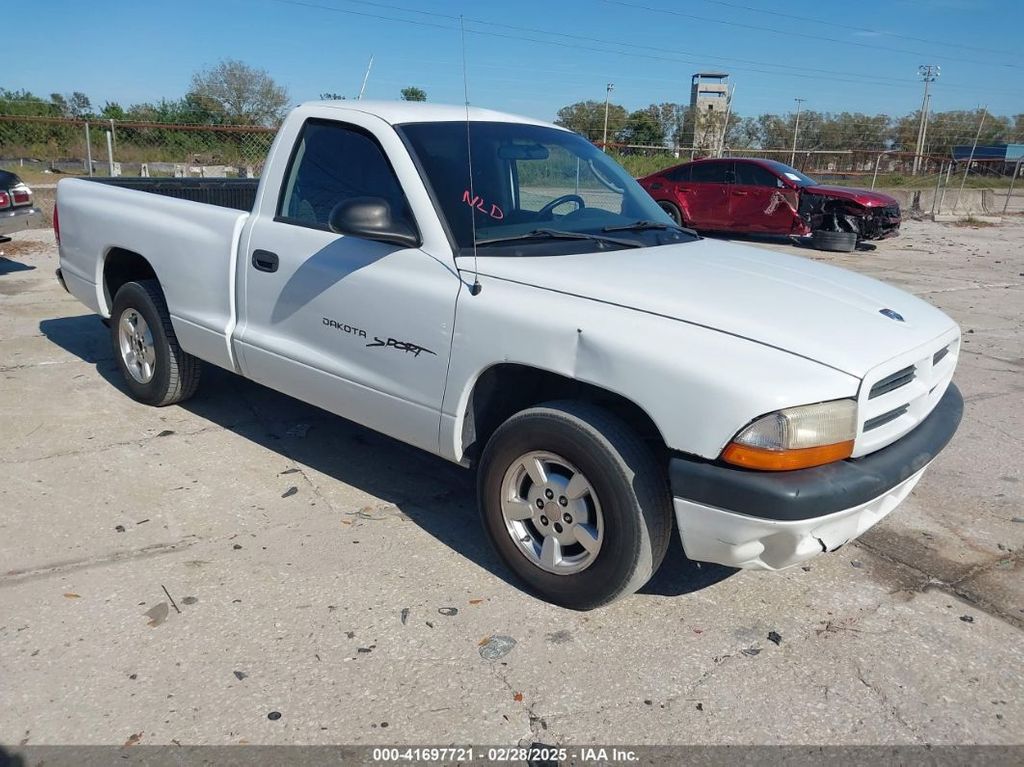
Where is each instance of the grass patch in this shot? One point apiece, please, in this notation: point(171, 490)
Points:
point(36, 176)
point(973, 223)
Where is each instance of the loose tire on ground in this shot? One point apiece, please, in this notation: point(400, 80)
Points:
point(625, 480)
point(155, 368)
point(834, 242)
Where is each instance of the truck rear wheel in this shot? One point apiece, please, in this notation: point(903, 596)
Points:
point(155, 368)
point(574, 503)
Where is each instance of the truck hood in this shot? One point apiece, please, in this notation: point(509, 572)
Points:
point(810, 309)
point(865, 197)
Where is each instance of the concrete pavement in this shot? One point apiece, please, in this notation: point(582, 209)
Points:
point(318, 570)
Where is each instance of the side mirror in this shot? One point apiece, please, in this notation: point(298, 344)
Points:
point(371, 219)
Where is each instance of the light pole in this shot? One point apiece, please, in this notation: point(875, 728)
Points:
point(929, 73)
point(796, 130)
point(607, 95)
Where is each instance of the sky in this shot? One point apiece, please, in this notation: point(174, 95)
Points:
point(534, 56)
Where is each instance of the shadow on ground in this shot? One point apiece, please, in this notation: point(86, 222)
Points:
point(7, 266)
point(435, 494)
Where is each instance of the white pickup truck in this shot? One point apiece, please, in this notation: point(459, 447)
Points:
point(497, 291)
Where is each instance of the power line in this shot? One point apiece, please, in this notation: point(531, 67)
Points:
point(831, 23)
point(790, 33)
point(685, 59)
point(857, 79)
point(697, 58)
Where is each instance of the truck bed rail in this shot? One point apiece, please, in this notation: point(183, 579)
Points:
point(236, 193)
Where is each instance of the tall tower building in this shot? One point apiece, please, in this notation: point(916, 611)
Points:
point(709, 108)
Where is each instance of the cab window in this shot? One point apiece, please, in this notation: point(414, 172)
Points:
point(333, 163)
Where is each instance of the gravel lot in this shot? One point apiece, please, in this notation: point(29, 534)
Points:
point(339, 578)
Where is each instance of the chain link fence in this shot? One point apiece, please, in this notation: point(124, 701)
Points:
point(941, 183)
point(111, 147)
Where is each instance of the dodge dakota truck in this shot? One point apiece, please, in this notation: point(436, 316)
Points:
point(496, 291)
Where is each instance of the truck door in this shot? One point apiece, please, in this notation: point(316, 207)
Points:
point(760, 201)
point(358, 327)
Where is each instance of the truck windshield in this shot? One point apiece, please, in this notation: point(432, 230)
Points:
point(533, 179)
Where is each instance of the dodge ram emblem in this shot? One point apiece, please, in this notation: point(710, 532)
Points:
point(891, 314)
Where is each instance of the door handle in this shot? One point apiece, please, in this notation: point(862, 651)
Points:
point(264, 260)
point(740, 193)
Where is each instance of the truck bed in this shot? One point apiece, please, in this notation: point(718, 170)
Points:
point(187, 230)
point(235, 193)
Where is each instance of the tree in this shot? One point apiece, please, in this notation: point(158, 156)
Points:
point(742, 133)
point(58, 105)
point(113, 111)
point(587, 119)
point(23, 102)
point(79, 105)
point(671, 117)
point(857, 131)
point(412, 93)
point(330, 96)
point(239, 93)
point(643, 128)
point(1017, 134)
point(75, 105)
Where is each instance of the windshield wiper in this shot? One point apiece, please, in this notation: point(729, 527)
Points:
point(642, 226)
point(556, 234)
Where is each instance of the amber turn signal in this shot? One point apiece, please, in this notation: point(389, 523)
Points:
point(785, 460)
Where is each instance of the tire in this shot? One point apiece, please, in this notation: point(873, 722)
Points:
point(673, 212)
point(834, 242)
point(155, 368)
point(628, 508)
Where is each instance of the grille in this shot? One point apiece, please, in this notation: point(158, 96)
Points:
point(897, 395)
point(894, 381)
point(884, 418)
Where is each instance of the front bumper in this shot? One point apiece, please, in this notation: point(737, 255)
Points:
point(772, 520)
point(16, 219)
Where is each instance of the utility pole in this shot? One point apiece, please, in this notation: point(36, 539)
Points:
point(928, 73)
point(607, 95)
point(796, 130)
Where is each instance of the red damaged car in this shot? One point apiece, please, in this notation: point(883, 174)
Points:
point(767, 197)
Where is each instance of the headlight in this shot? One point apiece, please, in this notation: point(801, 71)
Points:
point(796, 437)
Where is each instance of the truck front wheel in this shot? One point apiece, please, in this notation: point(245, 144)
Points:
point(155, 368)
point(574, 503)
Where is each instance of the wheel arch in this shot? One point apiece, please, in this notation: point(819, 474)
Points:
point(504, 389)
point(121, 265)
